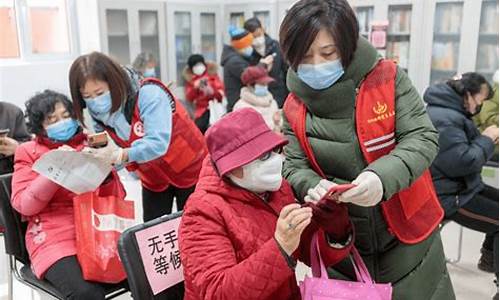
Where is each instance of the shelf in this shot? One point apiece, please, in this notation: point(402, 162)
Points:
point(118, 34)
point(442, 71)
point(485, 71)
point(399, 34)
point(488, 34)
point(447, 36)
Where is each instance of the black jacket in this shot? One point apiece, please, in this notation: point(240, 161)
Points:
point(278, 88)
point(11, 117)
point(234, 64)
point(456, 171)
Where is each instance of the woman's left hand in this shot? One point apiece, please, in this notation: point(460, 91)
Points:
point(368, 191)
point(110, 154)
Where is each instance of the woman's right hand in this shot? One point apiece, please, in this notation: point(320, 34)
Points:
point(292, 221)
point(492, 133)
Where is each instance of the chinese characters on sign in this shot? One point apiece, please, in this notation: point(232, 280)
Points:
point(159, 248)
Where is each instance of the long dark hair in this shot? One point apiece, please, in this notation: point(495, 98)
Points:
point(470, 82)
point(307, 17)
point(97, 66)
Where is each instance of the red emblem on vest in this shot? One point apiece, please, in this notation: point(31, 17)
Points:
point(139, 129)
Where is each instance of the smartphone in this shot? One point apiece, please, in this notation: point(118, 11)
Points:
point(97, 140)
point(4, 132)
point(337, 190)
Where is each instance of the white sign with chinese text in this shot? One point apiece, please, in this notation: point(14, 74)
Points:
point(159, 248)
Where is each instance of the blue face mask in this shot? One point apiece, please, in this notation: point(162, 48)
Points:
point(62, 130)
point(261, 90)
point(321, 76)
point(149, 72)
point(247, 52)
point(100, 104)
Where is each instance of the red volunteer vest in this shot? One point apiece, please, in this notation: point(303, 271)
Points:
point(181, 164)
point(413, 213)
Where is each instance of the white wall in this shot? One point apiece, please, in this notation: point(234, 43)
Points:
point(18, 82)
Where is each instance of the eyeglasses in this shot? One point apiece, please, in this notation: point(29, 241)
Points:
point(267, 155)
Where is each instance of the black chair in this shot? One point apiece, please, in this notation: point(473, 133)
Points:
point(19, 263)
point(131, 259)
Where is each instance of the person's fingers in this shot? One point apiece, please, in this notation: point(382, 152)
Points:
point(361, 199)
point(298, 211)
point(359, 189)
point(326, 184)
point(301, 226)
point(309, 199)
point(287, 209)
point(299, 218)
point(321, 191)
point(314, 194)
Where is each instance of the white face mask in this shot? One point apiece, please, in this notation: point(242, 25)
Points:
point(259, 44)
point(259, 41)
point(199, 69)
point(261, 176)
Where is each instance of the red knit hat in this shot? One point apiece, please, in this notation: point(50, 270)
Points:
point(239, 138)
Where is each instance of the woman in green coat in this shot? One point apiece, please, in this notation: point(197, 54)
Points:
point(320, 40)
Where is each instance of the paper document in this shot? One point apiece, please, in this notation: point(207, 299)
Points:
point(75, 171)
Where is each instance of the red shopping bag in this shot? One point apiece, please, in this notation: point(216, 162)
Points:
point(100, 217)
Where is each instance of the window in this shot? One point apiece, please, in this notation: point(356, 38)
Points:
point(208, 36)
point(37, 29)
point(183, 42)
point(487, 49)
point(264, 18)
point(48, 24)
point(446, 44)
point(9, 44)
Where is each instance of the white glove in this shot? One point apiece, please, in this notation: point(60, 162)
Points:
point(316, 193)
point(368, 191)
point(110, 154)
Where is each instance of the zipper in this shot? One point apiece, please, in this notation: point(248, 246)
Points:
point(266, 204)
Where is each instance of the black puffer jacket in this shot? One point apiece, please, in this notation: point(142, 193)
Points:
point(234, 64)
point(456, 171)
point(277, 88)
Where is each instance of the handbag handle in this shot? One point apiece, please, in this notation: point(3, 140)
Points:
point(317, 264)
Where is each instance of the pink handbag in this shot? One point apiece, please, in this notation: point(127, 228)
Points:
point(323, 288)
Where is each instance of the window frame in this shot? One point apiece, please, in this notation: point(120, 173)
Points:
point(24, 36)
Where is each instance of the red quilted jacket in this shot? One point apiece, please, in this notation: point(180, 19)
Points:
point(227, 245)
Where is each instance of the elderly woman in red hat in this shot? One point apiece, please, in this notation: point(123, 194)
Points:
point(242, 229)
point(255, 94)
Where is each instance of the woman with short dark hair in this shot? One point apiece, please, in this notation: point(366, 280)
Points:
point(353, 117)
point(463, 152)
point(154, 136)
point(48, 207)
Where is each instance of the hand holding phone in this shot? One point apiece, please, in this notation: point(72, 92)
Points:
point(98, 140)
point(337, 190)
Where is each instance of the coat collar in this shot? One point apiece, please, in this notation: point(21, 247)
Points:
point(337, 101)
point(210, 182)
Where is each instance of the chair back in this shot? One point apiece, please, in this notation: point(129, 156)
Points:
point(15, 228)
point(131, 258)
